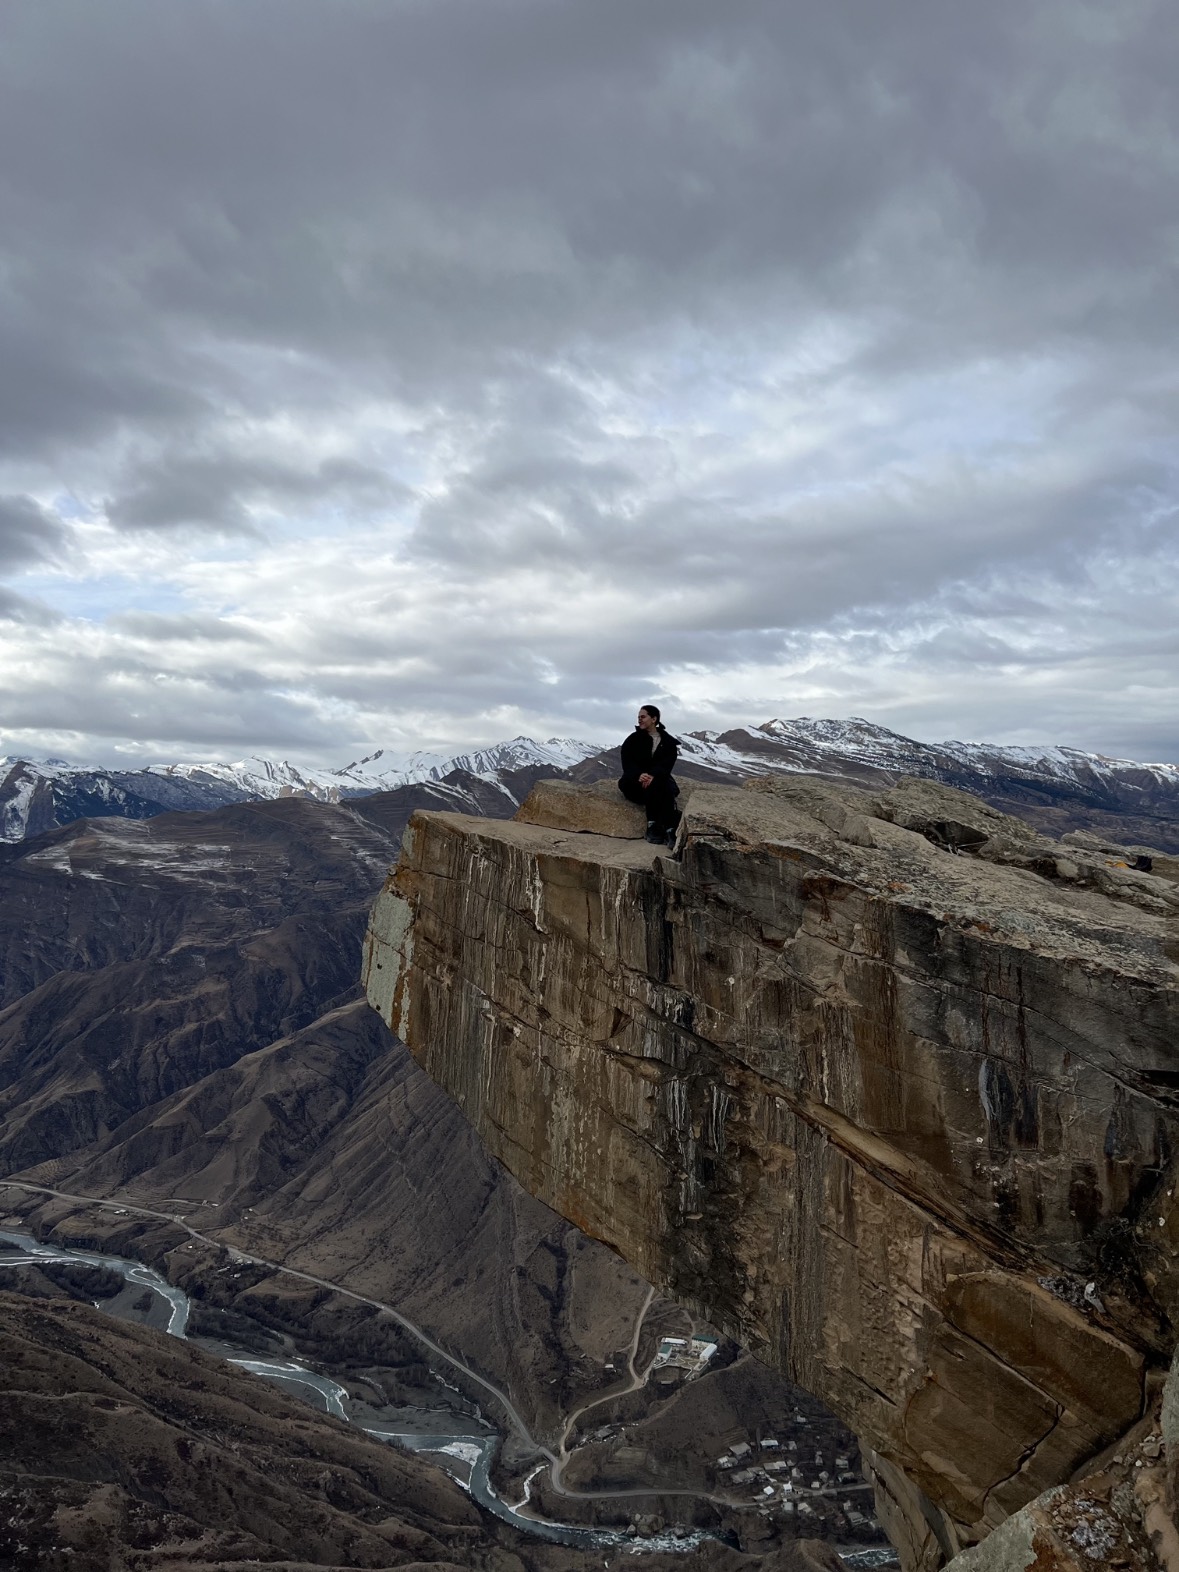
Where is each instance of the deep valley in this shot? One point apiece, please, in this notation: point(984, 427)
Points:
point(181, 1035)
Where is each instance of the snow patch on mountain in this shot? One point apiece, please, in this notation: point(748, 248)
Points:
point(18, 782)
point(705, 748)
point(257, 778)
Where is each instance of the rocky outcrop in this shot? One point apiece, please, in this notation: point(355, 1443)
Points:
point(888, 1087)
point(599, 809)
point(596, 809)
point(1121, 1514)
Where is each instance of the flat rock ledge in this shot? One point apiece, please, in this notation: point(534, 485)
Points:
point(885, 1086)
point(600, 809)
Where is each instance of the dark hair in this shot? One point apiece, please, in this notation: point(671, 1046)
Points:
point(653, 711)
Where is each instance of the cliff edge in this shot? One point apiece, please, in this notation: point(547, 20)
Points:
point(886, 1086)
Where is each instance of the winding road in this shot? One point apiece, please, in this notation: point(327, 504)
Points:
point(556, 1460)
point(423, 1337)
point(636, 1381)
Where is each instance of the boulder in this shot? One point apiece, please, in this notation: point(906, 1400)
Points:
point(1118, 1513)
point(600, 809)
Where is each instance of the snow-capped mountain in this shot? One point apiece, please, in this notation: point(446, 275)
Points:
point(383, 770)
point(857, 746)
point(1058, 787)
point(875, 747)
point(521, 753)
point(36, 795)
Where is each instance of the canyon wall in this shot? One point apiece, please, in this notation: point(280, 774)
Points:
point(181, 1032)
point(885, 1086)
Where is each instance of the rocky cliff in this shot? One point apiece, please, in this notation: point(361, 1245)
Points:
point(180, 1030)
point(886, 1086)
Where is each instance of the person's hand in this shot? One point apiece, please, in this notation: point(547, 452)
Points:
point(645, 781)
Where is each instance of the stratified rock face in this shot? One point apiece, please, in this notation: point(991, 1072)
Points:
point(887, 1087)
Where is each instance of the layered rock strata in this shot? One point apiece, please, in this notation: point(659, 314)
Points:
point(887, 1087)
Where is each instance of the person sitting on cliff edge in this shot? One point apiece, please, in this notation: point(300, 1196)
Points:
point(649, 755)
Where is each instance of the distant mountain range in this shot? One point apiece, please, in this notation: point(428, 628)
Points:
point(39, 794)
point(1058, 788)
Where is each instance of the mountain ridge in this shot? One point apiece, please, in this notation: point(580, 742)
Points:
point(1094, 787)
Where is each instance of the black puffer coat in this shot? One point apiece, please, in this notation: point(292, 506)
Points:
point(637, 758)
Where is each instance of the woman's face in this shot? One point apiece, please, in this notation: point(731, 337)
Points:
point(647, 720)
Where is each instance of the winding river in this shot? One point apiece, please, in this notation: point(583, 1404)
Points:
point(466, 1456)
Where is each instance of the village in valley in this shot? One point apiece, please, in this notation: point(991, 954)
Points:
point(794, 1477)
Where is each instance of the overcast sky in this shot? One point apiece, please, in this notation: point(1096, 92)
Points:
point(421, 372)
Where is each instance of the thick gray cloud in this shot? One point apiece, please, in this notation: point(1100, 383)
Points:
point(28, 533)
point(20, 609)
point(442, 367)
point(217, 489)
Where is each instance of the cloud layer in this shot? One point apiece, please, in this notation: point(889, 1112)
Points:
point(411, 373)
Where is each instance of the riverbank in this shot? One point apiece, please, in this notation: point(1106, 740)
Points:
point(421, 1425)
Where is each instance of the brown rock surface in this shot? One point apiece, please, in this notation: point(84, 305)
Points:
point(600, 809)
point(597, 809)
point(1119, 1513)
point(886, 1087)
